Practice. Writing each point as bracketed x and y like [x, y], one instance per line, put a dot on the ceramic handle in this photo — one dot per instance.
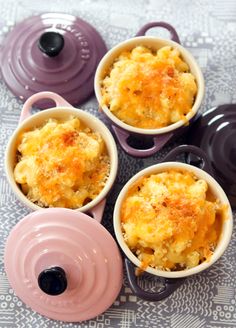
[52, 281]
[170, 285]
[159, 142]
[173, 34]
[189, 149]
[26, 110]
[51, 43]
[97, 211]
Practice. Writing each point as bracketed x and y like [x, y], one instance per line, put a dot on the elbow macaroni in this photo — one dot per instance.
[170, 221]
[62, 164]
[148, 89]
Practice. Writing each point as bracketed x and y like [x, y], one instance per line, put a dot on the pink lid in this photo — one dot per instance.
[63, 264]
[53, 52]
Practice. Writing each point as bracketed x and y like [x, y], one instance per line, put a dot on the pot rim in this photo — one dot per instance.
[217, 191]
[109, 58]
[64, 111]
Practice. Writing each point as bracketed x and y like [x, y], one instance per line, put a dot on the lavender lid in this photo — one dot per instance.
[215, 132]
[54, 52]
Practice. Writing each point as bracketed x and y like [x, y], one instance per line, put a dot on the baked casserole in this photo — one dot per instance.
[61, 164]
[149, 89]
[171, 221]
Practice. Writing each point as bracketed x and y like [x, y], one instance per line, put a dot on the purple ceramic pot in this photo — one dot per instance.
[215, 133]
[172, 279]
[161, 136]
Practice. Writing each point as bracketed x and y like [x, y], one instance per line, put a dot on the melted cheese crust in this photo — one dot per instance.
[62, 164]
[171, 221]
[148, 89]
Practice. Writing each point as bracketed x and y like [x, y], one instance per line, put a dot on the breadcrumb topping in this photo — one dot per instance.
[62, 164]
[149, 89]
[171, 221]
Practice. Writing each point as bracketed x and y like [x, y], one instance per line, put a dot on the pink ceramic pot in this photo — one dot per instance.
[61, 262]
[62, 110]
[123, 131]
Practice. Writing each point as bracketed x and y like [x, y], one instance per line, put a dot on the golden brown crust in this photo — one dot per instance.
[62, 164]
[169, 222]
[148, 89]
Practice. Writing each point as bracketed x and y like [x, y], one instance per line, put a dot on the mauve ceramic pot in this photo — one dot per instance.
[163, 135]
[52, 51]
[62, 110]
[173, 279]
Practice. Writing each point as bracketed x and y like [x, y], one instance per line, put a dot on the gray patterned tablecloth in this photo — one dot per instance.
[208, 30]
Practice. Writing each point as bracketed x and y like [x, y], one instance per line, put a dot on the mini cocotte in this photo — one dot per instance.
[149, 89]
[172, 219]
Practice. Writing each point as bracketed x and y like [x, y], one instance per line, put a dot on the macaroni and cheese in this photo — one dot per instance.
[62, 164]
[149, 89]
[171, 221]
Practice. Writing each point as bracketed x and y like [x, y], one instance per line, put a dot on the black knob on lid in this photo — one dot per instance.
[51, 43]
[52, 281]
[193, 160]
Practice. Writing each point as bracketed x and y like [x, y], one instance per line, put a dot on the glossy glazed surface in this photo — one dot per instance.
[215, 133]
[27, 70]
[79, 245]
